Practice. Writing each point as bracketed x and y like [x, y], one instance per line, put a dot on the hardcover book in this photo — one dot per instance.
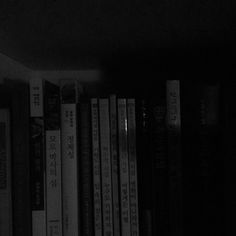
[20, 126]
[6, 222]
[85, 164]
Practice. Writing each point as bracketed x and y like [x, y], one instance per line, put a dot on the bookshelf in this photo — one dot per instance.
[119, 47]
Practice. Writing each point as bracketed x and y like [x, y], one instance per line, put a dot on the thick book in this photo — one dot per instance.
[228, 152]
[144, 164]
[174, 157]
[6, 220]
[159, 162]
[96, 165]
[114, 164]
[85, 164]
[53, 159]
[133, 170]
[124, 166]
[201, 158]
[20, 125]
[37, 153]
[107, 209]
[69, 145]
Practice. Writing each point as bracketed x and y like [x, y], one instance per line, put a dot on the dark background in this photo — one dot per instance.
[64, 35]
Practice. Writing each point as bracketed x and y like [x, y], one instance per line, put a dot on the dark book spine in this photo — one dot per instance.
[160, 186]
[96, 163]
[86, 169]
[133, 172]
[114, 164]
[5, 174]
[144, 167]
[37, 153]
[20, 157]
[228, 113]
[53, 159]
[210, 162]
[174, 157]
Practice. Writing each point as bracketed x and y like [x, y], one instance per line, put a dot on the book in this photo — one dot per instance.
[107, 209]
[133, 175]
[114, 164]
[85, 164]
[69, 139]
[158, 147]
[174, 157]
[53, 159]
[37, 153]
[144, 164]
[18, 94]
[228, 152]
[124, 166]
[96, 165]
[201, 159]
[6, 221]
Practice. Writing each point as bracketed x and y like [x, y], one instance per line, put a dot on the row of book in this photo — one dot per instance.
[74, 164]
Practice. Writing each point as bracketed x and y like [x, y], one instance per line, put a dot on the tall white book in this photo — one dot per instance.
[5, 174]
[37, 153]
[96, 168]
[53, 159]
[106, 167]
[133, 175]
[124, 167]
[69, 145]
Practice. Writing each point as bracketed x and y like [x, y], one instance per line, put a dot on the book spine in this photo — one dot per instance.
[37, 146]
[133, 179]
[124, 167]
[86, 169]
[70, 200]
[97, 202]
[144, 167]
[210, 183]
[114, 164]
[106, 166]
[5, 174]
[20, 157]
[174, 157]
[158, 147]
[53, 160]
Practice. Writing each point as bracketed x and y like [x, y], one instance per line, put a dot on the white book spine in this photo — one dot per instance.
[114, 164]
[69, 169]
[53, 175]
[36, 112]
[106, 167]
[96, 169]
[133, 180]
[5, 175]
[124, 167]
